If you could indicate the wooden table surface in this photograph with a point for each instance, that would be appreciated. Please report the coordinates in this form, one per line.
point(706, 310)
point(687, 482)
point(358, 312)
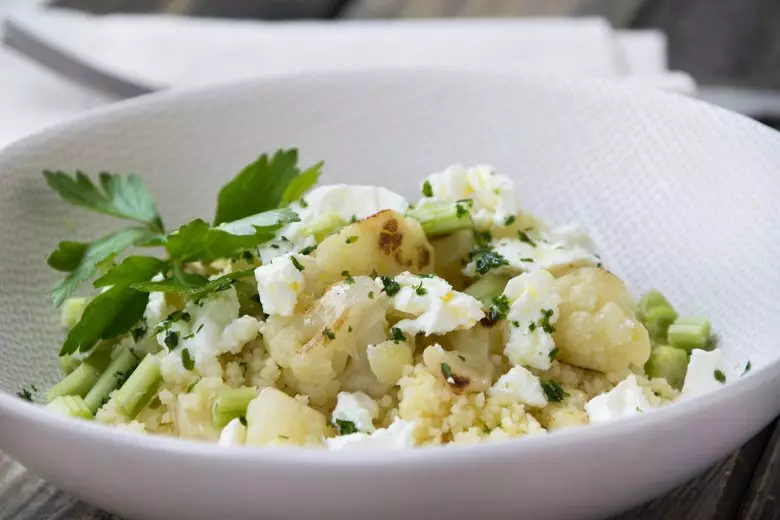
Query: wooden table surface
point(744, 485)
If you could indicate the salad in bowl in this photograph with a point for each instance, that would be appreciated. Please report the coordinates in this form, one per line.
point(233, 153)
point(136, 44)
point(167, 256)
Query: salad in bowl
point(346, 317)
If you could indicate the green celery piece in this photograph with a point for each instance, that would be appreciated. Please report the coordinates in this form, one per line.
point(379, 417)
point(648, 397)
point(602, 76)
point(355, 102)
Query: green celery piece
point(140, 388)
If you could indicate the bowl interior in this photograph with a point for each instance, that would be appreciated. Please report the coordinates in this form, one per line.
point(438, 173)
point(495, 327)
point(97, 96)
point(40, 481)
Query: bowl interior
point(677, 195)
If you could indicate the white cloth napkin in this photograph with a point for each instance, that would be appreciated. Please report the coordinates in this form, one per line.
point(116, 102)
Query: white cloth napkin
point(165, 51)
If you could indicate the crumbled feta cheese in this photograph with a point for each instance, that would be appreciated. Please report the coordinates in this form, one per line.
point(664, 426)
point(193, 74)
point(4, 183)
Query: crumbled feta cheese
point(233, 434)
point(213, 328)
point(493, 194)
point(158, 308)
point(520, 385)
point(522, 256)
point(533, 312)
point(343, 295)
point(625, 400)
point(438, 307)
point(357, 408)
point(280, 282)
point(707, 371)
point(348, 200)
point(397, 436)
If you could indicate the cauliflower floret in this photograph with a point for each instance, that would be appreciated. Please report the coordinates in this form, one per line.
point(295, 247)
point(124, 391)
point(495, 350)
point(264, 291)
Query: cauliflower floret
point(388, 360)
point(274, 417)
point(386, 243)
point(597, 328)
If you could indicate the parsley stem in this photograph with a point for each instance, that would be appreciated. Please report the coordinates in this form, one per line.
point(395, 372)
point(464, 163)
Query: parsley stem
point(70, 405)
point(487, 288)
point(669, 363)
point(68, 364)
point(231, 403)
point(139, 389)
point(122, 364)
point(689, 333)
point(442, 218)
point(81, 380)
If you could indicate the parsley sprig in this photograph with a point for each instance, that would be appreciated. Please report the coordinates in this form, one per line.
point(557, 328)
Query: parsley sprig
point(250, 210)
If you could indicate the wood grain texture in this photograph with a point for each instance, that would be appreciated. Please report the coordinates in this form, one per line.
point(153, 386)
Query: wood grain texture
point(761, 500)
point(745, 485)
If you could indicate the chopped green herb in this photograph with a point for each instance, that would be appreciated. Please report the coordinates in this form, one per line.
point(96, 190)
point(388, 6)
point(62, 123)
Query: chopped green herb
point(509, 220)
point(351, 239)
point(139, 332)
point(303, 203)
point(483, 238)
point(192, 386)
point(397, 335)
point(446, 370)
point(296, 263)
point(639, 410)
point(27, 393)
point(242, 419)
point(353, 219)
point(719, 376)
point(248, 256)
point(532, 326)
point(460, 210)
point(420, 290)
point(349, 329)
point(747, 368)
point(554, 392)
point(526, 259)
point(371, 295)
point(516, 324)
point(499, 308)
point(347, 277)
point(345, 427)
point(544, 321)
point(427, 189)
point(187, 361)
point(172, 339)
point(328, 334)
point(489, 260)
point(524, 237)
point(553, 353)
point(308, 250)
point(391, 286)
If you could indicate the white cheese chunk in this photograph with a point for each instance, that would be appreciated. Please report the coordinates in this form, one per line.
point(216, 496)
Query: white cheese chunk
point(625, 400)
point(533, 311)
point(520, 385)
point(707, 371)
point(357, 408)
point(397, 436)
point(233, 434)
point(280, 282)
point(437, 307)
point(493, 194)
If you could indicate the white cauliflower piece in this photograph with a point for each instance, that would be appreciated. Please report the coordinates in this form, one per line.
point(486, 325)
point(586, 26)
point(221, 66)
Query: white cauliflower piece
point(388, 360)
point(597, 328)
point(398, 436)
point(274, 417)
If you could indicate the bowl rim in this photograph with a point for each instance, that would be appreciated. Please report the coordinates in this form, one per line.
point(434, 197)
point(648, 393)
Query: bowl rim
point(549, 443)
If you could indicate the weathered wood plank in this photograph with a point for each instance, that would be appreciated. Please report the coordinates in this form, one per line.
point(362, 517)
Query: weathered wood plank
point(761, 499)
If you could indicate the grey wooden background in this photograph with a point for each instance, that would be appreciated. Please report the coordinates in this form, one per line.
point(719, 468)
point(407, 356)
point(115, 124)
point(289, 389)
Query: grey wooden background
point(734, 42)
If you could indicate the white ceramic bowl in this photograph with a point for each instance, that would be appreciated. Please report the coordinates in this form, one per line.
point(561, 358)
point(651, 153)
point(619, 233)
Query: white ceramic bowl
point(679, 196)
